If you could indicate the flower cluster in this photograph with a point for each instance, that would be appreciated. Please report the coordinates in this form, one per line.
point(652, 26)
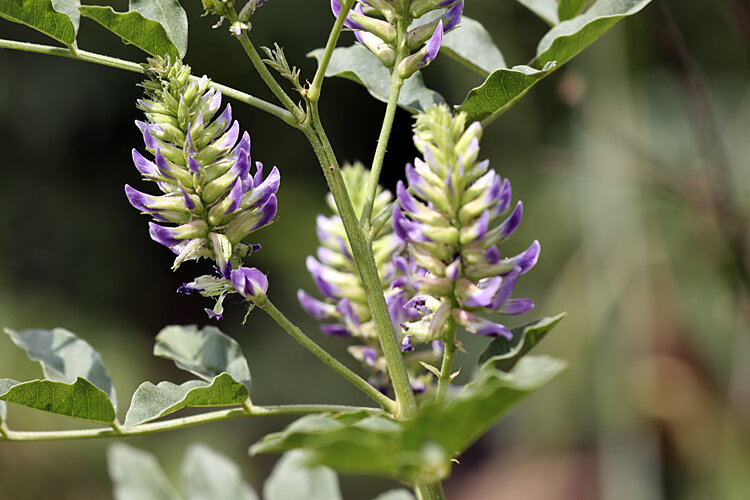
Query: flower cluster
point(375, 24)
point(210, 201)
point(453, 214)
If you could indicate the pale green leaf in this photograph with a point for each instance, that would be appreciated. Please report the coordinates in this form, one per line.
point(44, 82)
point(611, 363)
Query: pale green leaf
point(206, 352)
point(65, 357)
point(504, 353)
point(545, 9)
point(568, 9)
point(134, 29)
point(292, 479)
point(81, 399)
point(137, 475)
point(358, 64)
point(3, 411)
point(153, 401)
point(401, 494)
point(42, 16)
point(472, 45)
point(208, 475)
point(172, 17)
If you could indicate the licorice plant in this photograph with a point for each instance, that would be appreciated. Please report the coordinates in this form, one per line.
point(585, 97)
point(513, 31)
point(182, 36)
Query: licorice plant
point(400, 276)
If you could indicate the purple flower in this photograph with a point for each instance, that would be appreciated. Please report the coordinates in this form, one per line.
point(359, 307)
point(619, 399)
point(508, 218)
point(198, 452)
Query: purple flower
point(251, 283)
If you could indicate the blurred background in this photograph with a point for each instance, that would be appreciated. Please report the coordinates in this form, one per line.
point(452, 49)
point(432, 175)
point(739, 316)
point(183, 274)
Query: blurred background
point(632, 163)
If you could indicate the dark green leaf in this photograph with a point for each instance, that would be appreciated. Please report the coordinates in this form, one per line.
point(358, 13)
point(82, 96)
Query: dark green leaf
point(504, 353)
point(292, 479)
point(133, 28)
point(81, 399)
point(208, 475)
point(153, 401)
point(42, 16)
point(401, 494)
point(172, 17)
point(206, 352)
point(65, 357)
point(570, 8)
point(358, 64)
point(500, 91)
point(545, 9)
point(472, 45)
point(137, 475)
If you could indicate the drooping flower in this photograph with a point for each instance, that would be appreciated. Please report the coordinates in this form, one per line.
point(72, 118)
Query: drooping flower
point(452, 213)
point(210, 201)
point(374, 25)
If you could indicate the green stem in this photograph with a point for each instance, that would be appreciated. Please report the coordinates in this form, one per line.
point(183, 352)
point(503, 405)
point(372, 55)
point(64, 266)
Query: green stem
point(388, 404)
point(113, 62)
point(365, 260)
point(432, 491)
point(313, 93)
point(176, 423)
point(449, 342)
point(377, 162)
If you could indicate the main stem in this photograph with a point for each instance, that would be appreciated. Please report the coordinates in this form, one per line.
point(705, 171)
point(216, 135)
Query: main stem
point(388, 404)
point(431, 491)
point(449, 350)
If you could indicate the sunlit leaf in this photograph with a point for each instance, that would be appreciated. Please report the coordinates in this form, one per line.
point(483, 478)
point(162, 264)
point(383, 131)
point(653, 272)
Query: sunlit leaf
point(472, 45)
point(137, 475)
point(65, 357)
point(292, 479)
point(171, 15)
point(81, 399)
point(504, 353)
point(153, 401)
point(208, 475)
point(134, 29)
point(206, 352)
point(358, 64)
point(43, 15)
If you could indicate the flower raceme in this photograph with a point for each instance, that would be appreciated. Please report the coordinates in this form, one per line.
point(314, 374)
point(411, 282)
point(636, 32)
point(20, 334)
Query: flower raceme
point(210, 201)
point(452, 213)
point(376, 26)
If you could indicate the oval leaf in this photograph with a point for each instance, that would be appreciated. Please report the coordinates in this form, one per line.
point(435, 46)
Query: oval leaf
point(137, 475)
point(42, 16)
point(65, 357)
point(81, 399)
point(472, 45)
point(504, 353)
point(133, 28)
point(170, 15)
point(206, 352)
point(207, 474)
point(153, 401)
point(292, 478)
point(545, 9)
point(358, 64)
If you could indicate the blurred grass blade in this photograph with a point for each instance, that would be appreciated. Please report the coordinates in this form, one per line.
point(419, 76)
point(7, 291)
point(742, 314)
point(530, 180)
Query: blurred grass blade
point(207, 474)
point(292, 479)
point(81, 399)
point(358, 64)
point(206, 352)
point(65, 357)
point(153, 401)
point(53, 18)
point(504, 353)
point(137, 475)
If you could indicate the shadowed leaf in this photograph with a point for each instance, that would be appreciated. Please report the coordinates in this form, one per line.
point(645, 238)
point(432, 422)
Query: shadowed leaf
point(504, 353)
point(53, 18)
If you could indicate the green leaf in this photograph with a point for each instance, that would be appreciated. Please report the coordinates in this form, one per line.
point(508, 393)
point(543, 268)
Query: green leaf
point(545, 9)
point(208, 475)
point(570, 37)
point(43, 16)
point(570, 8)
point(70, 9)
point(358, 64)
point(172, 17)
point(504, 353)
point(419, 450)
point(137, 475)
point(81, 399)
point(472, 45)
point(566, 39)
point(3, 411)
point(206, 352)
point(153, 401)
point(65, 357)
point(292, 479)
point(401, 494)
point(5, 384)
point(500, 91)
point(134, 29)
